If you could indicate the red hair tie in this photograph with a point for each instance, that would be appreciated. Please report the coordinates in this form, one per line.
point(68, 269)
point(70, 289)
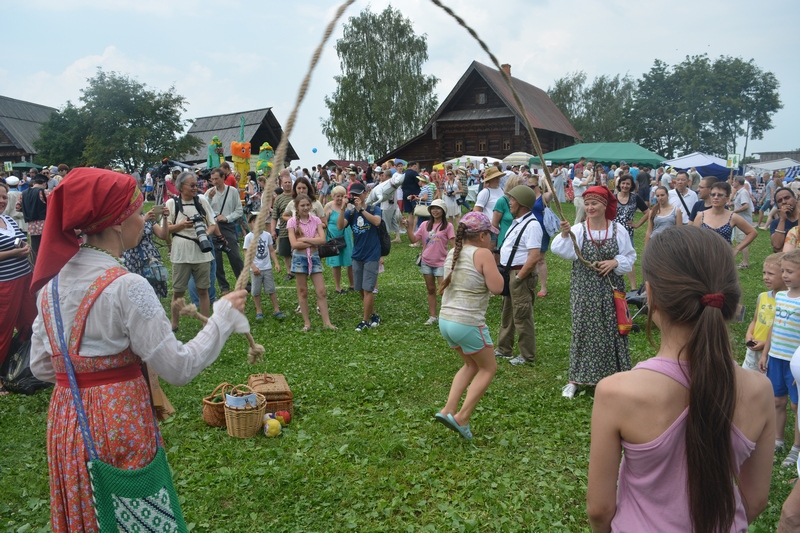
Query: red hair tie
point(714, 300)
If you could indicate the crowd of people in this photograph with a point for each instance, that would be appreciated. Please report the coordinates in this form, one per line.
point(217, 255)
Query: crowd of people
point(87, 228)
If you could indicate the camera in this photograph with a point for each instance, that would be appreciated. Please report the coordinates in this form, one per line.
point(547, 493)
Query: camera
point(202, 237)
point(222, 245)
point(19, 242)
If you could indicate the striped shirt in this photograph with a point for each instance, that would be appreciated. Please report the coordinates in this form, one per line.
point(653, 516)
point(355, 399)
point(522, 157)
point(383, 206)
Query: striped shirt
point(13, 267)
point(786, 327)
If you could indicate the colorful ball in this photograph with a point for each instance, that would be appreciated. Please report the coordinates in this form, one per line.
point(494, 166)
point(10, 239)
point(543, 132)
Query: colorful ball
point(314, 150)
point(286, 416)
point(272, 428)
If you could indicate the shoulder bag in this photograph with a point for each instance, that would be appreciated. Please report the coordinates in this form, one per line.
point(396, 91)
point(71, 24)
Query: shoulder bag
point(124, 500)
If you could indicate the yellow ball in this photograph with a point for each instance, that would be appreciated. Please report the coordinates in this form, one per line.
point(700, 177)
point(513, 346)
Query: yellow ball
point(272, 428)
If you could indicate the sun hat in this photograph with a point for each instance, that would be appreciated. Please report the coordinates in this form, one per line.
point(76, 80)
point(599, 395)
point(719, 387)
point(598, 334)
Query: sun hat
point(492, 173)
point(477, 222)
point(438, 203)
point(462, 169)
point(423, 178)
point(524, 195)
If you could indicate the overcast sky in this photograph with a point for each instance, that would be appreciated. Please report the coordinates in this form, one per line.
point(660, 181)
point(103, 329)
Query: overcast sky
point(228, 56)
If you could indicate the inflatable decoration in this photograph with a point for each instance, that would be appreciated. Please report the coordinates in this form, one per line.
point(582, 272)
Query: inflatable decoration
point(240, 154)
point(216, 154)
point(265, 156)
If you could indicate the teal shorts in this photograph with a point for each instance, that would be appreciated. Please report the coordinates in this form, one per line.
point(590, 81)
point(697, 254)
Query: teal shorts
point(471, 339)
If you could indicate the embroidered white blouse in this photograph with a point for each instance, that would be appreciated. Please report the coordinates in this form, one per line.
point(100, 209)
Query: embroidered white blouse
point(626, 257)
point(128, 313)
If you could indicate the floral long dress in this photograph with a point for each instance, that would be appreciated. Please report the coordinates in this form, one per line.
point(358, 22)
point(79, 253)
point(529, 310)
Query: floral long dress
point(597, 349)
point(136, 257)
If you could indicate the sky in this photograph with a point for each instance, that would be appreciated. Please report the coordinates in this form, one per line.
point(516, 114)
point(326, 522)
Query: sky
point(227, 56)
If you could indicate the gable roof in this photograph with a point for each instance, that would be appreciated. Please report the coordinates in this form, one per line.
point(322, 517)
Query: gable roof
point(542, 113)
point(20, 121)
point(259, 125)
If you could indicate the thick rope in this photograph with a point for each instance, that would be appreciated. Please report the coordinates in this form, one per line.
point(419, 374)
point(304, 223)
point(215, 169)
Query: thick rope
point(537, 146)
point(283, 146)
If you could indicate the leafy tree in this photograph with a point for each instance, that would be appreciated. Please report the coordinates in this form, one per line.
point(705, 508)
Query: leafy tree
point(122, 123)
point(599, 110)
point(382, 98)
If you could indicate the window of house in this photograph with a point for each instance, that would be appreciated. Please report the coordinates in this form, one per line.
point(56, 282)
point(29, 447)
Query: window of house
point(507, 145)
point(482, 145)
point(459, 147)
point(480, 98)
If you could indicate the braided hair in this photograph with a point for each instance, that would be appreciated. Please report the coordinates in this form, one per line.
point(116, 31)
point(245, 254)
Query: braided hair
point(460, 234)
point(298, 231)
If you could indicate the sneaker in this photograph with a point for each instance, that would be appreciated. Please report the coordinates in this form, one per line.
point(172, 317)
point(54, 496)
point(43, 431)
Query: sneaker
point(569, 390)
point(259, 316)
point(791, 459)
point(297, 311)
point(519, 360)
point(279, 315)
point(375, 290)
point(502, 355)
point(362, 326)
point(374, 321)
point(431, 321)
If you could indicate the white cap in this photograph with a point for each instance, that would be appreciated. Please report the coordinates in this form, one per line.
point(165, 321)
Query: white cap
point(12, 181)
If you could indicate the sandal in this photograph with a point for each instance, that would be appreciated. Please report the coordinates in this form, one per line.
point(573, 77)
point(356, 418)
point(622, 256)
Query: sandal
point(463, 430)
point(442, 418)
point(175, 329)
point(340, 291)
point(742, 266)
point(306, 329)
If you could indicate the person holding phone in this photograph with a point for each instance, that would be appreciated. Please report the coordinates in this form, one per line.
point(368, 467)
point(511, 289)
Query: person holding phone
point(155, 223)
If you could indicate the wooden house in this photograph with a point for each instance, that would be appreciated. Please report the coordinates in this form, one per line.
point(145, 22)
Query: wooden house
point(19, 128)
point(480, 117)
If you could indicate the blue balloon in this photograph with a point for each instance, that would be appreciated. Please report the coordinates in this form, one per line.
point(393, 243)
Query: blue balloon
point(314, 150)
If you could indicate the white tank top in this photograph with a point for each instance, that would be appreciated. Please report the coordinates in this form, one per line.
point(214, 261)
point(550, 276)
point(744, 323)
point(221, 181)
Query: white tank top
point(466, 298)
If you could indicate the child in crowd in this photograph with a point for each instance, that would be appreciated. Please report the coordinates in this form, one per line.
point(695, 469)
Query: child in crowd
point(306, 232)
point(783, 340)
point(758, 331)
point(261, 269)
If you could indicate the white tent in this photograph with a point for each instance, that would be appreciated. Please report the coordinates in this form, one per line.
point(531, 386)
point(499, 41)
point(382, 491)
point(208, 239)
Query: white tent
point(474, 159)
point(776, 164)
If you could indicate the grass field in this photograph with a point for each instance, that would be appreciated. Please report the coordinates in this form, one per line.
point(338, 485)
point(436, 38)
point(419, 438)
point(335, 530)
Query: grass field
point(363, 452)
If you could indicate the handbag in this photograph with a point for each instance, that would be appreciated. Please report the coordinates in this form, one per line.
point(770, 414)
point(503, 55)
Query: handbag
point(15, 372)
point(551, 222)
point(124, 500)
point(332, 247)
point(421, 210)
point(153, 270)
point(505, 271)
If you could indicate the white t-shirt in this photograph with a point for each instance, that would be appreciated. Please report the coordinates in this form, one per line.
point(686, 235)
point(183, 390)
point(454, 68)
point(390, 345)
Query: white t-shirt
point(531, 240)
point(690, 198)
point(148, 180)
point(262, 260)
point(487, 198)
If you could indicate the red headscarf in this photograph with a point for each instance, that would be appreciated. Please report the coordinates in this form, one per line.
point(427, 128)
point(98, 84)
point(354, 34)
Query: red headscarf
point(605, 197)
point(87, 199)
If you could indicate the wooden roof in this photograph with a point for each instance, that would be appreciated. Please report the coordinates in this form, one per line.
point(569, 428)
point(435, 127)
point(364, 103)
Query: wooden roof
point(542, 113)
point(20, 122)
point(260, 125)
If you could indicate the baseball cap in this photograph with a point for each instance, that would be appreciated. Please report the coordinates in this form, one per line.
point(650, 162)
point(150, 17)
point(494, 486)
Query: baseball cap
point(357, 188)
point(477, 222)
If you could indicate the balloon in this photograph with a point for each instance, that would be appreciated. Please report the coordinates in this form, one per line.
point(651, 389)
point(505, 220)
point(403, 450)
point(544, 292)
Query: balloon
point(314, 150)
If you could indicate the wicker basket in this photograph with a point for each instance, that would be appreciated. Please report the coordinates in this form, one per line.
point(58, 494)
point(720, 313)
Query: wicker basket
point(214, 412)
point(275, 390)
point(245, 422)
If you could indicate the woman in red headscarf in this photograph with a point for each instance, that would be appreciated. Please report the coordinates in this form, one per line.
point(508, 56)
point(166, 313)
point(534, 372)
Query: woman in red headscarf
point(113, 322)
point(597, 349)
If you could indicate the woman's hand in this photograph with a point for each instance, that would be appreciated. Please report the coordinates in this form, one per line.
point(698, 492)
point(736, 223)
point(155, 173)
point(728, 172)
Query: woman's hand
point(237, 299)
point(607, 266)
point(21, 252)
point(165, 213)
point(150, 215)
point(565, 228)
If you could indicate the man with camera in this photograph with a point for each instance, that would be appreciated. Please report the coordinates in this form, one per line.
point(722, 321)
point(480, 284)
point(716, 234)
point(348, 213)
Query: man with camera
point(192, 252)
point(224, 200)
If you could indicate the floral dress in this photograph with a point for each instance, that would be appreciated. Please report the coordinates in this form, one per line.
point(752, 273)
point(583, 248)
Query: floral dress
point(136, 258)
point(597, 349)
point(626, 212)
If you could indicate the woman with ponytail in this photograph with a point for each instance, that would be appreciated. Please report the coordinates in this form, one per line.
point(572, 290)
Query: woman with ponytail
point(471, 276)
point(696, 429)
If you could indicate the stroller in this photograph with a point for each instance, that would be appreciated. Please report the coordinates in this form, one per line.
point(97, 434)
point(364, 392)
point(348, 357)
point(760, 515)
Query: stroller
point(637, 298)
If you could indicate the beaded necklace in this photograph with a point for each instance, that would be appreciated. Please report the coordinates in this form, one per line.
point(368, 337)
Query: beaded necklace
point(589, 231)
point(98, 249)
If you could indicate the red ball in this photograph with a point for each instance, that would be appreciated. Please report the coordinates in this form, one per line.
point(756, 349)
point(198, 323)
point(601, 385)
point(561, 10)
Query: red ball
point(285, 414)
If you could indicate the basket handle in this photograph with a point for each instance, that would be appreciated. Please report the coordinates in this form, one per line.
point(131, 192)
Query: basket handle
point(217, 391)
point(268, 378)
point(242, 388)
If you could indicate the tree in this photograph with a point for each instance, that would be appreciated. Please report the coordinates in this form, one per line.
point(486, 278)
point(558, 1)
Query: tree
point(122, 123)
point(598, 111)
point(382, 98)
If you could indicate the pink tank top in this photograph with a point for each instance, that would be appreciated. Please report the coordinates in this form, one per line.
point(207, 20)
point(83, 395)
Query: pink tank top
point(652, 494)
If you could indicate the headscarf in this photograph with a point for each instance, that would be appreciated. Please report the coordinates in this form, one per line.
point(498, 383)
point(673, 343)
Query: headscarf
point(87, 199)
point(605, 197)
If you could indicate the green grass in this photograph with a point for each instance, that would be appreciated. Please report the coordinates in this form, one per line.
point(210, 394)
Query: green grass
point(363, 452)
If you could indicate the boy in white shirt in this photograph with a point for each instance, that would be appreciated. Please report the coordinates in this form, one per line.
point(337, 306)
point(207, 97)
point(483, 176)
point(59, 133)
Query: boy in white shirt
point(261, 269)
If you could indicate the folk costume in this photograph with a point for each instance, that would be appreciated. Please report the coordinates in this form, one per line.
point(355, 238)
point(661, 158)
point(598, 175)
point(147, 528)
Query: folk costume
point(597, 349)
point(114, 322)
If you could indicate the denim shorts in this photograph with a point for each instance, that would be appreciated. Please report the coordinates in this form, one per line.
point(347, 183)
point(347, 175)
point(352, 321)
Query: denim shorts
point(300, 263)
point(431, 271)
point(471, 339)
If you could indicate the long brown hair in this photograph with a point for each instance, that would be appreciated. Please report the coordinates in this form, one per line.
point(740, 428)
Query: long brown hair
point(298, 232)
point(655, 209)
point(683, 264)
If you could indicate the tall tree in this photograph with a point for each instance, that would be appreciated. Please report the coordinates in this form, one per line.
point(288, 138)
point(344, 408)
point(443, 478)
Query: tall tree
point(655, 110)
point(122, 123)
point(382, 98)
point(598, 110)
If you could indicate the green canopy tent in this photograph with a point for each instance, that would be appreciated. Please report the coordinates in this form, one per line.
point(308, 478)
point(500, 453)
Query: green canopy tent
point(605, 153)
point(26, 165)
